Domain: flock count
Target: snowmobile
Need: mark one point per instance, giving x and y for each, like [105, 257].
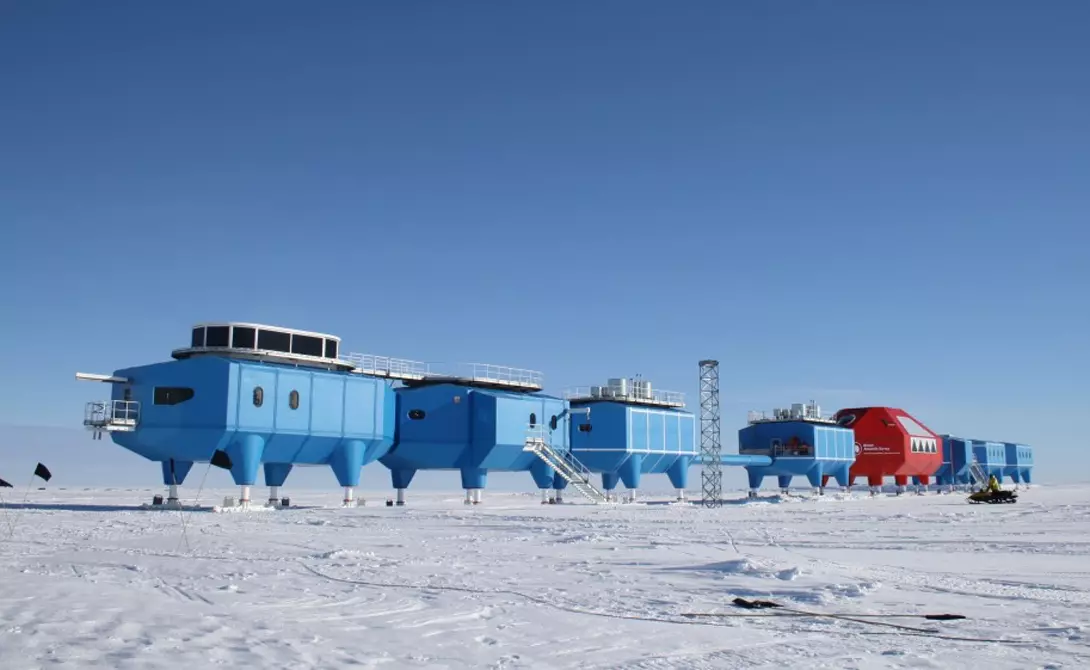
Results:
[992, 497]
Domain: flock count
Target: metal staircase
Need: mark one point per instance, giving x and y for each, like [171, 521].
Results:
[563, 463]
[980, 478]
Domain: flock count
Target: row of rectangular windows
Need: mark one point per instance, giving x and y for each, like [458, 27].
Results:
[245, 337]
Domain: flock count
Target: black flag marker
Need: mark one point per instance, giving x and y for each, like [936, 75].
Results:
[43, 472]
[3, 484]
[220, 459]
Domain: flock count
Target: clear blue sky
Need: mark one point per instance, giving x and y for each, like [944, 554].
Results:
[858, 202]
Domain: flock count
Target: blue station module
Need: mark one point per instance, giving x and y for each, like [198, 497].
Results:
[626, 429]
[799, 442]
[992, 457]
[264, 395]
[474, 421]
[1019, 462]
[957, 456]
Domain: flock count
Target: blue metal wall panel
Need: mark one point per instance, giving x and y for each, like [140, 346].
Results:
[638, 432]
[327, 406]
[251, 418]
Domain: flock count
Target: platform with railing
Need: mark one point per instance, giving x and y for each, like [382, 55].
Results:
[112, 415]
[485, 375]
[631, 395]
[384, 366]
[797, 412]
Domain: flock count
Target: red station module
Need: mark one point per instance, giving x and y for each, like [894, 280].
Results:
[888, 441]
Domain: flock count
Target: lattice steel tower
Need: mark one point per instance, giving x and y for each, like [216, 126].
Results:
[711, 475]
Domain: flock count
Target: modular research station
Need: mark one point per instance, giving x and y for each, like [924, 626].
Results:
[271, 398]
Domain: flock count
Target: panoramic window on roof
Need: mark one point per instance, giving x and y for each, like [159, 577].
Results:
[331, 348]
[243, 337]
[198, 338]
[217, 336]
[274, 340]
[306, 345]
[912, 427]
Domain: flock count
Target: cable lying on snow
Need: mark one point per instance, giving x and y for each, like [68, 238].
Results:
[692, 619]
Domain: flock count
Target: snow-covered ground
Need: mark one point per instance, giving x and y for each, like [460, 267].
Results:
[88, 581]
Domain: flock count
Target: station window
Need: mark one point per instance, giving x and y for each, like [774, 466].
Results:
[259, 396]
[243, 337]
[198, 338]
[533, 419]
[306, 345]
[552, 422]
[171, 395]
[416, 414]
[584, 428]
[331, 348]
[293, 400]
[846, 420]
[217, 336]
[274, 340]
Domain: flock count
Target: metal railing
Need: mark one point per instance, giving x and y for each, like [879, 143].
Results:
[632, 394]
[384, 366]
[112, 414]
[502, 375]
[481, 373]
[787, 414]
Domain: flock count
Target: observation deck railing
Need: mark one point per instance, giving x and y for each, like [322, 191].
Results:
[636, 395]
[478, 373]
[384, 366]
[788, 415]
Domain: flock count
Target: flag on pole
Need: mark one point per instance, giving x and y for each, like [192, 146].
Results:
[220, 459]
[43, 472]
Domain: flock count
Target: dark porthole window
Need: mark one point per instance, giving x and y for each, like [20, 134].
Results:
[259, 396]
[416, 414]
[171, 395]
[584, 428]
[293, 400]
[552, 422]
[533, 419]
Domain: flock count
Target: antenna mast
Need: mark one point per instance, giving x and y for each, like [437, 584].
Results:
[711, 475]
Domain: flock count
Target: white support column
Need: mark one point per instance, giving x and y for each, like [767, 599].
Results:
[544, 496]
[469, 496]
[349, 495]
[401, 497]
[681, 495]
[172, 497]
[559, 496]
[752, 493]
[244, 496]
[477, 496]
[632, 496]
[274, 496]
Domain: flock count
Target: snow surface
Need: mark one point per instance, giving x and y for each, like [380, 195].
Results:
[88, 580]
